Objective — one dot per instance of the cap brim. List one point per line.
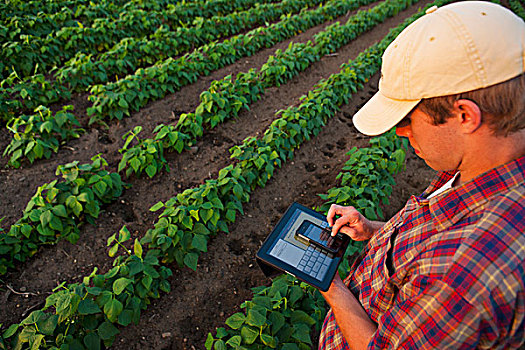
(381, 113)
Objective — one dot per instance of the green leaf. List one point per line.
(26, 230)
(48, 326)
(151, 170)
(277, 320)
(236, 320)
(60, 210)
(299, 316)
(100, 188)
(123, 103)
(268, 340)
(238, 191)
(190, 260)
(120, 284)
(206, 214)
(301, 332)
(112, 309)
(195, 214)
(230, 215)
(56, 224)
(249, 334)
(87, 307)
(234, 341)
(209, 342)
(156, 206)
(255, 318)
(137, 248)
(296, 294)
(107, 331)
(92, 341)
(187, 222)
(200, 242)
(125, 318)
(46, 217)
(123, 234)
(200, 228)
(11, 330)
(76, 207)
(36, 341)
(83, 197)
(113, 251)
(219, 345)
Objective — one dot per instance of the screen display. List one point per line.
(297, 252)
(319, 235)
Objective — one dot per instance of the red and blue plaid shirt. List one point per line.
(447, 272)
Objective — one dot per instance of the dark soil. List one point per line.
(200, 301)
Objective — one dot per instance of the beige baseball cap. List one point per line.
(456, 48)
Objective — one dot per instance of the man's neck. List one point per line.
(490, 152)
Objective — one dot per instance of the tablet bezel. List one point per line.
(276, 233)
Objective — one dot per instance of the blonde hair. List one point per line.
(502, 105)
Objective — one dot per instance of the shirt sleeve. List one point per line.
(429, 314)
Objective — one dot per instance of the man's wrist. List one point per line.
(373, 227)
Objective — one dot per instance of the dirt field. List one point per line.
(200, 301)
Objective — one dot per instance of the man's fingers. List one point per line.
(332, 212)
(337, 225)
(349, 231)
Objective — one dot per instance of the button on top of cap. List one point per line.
(431, 9)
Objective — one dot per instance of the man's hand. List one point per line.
(351, 222)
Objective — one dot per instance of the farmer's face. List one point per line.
(438, 145)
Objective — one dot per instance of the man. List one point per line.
(447, 271)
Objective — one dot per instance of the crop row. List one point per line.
(40, 54)
(58, 209)
(37, 136)
(84, 313)
(26, 21)
(117, 99)
(84, 70)
(241, 46)
(225, 98)
(42, 23)
(282, 315)
(13, 8)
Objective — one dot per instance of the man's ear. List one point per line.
(468, 114)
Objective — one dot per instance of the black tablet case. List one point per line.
(272, 266)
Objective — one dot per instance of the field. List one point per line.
(214, 273)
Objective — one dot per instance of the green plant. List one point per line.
(282, 314)
(58, 209)
(37, 136)
(83, 315)
(148, 154)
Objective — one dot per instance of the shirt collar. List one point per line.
(449, 207)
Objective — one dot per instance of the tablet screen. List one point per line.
(296, 252)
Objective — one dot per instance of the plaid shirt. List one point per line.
(457, 269)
